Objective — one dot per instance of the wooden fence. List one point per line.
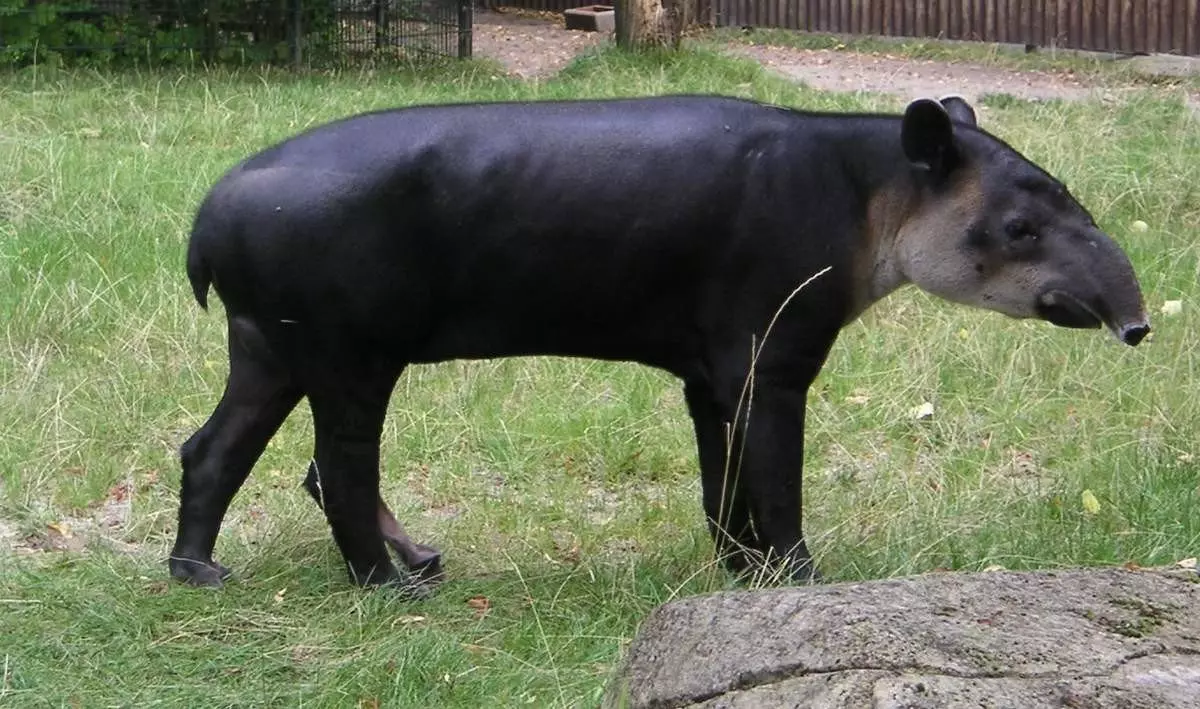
(1169, 26)
(1130, 26)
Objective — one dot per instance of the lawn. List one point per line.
(563, 492)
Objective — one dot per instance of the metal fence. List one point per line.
(297, 31)
(402, 27)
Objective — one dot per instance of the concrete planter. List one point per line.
(591, 18)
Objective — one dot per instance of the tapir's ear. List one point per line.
(928, 136)
(960, 111)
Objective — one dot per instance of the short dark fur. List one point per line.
(667, 231)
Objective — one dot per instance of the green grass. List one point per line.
(563, 491)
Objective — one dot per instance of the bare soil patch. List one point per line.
(831, 70)
(529, 45)
(537, 45)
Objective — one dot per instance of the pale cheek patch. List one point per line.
(1012, 291)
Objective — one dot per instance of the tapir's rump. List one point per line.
(671, 236)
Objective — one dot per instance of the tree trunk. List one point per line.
(652, 23)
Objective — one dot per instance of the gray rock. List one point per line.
(1166, 65)
(1101, 639)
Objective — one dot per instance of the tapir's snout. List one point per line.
(1060, 307)
(1065, 309)
(1119, 304)
(1089, 282)
(1133, 333)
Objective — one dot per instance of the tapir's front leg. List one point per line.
(772, 465)
(724, 490)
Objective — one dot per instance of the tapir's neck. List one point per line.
(874, 161)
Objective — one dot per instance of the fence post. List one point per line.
(212, 22)
(295, 30)
(381, 19)
(466, 17)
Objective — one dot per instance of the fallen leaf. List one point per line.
(1132, 566)
(1188, 563)
(1171, 307)
(408, 620)
(60, 528)
(118, 492)
(993, 567)
(480, 604)
(368, 703)
(279, 595)
(924, 411)
(857, 399)
(1090, 504)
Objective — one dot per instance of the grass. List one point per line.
(563, 492)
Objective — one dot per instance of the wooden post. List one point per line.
(623, 11)
(650, 23)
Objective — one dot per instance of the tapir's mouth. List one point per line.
(1065, 310)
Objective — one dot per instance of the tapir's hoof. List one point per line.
(408, 586)
(413, 588)
(208, 574)
(427, 565)
(806, 574)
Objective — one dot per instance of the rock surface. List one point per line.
(1101, 639)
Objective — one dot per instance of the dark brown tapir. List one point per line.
(670, 231)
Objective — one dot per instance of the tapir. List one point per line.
(671, 231)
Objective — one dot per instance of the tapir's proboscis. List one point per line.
(668, 231)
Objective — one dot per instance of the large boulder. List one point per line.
(1099, 639)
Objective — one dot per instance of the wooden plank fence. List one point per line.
(1128, 26)
(1167, 26)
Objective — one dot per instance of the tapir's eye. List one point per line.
(1019, 230)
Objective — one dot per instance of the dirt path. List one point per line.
(910, 78)
(536, 45)
(529, 45)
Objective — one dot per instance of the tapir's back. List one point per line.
(593, 130)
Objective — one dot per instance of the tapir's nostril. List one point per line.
(1133, 334)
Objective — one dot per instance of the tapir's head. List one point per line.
(990, 229)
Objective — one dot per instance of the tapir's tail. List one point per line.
(198, 271)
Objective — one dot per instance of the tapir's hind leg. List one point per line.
(724, 490)
(422, 560)
(349, 403)
(259, 394)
